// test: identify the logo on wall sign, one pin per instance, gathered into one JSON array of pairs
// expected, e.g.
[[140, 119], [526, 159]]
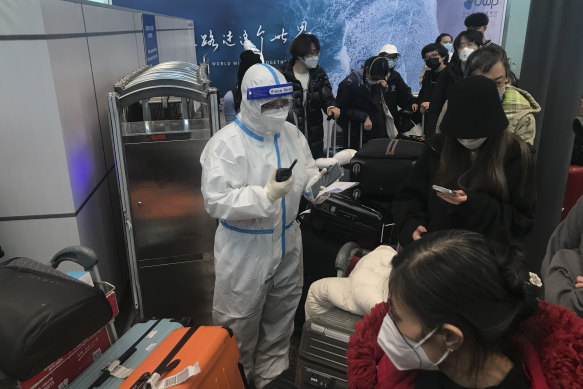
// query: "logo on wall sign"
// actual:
[[492, 3]]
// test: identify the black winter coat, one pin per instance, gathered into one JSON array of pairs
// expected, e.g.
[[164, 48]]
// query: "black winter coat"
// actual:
[[506, 222], [357, 100], [430, 79], [447, 78], [319, 98]]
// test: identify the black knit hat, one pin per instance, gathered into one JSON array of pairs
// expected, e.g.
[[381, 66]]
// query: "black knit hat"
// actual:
[[474, 109]]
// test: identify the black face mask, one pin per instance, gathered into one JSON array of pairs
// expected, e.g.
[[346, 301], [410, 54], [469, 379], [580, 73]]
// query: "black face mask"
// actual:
[[432, 63]]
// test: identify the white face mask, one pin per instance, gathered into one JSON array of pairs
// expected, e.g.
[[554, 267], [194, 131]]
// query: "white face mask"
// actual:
[[501, 92], [472, 144], [465, 53], [311, 62], [272, 120], [403, 352]]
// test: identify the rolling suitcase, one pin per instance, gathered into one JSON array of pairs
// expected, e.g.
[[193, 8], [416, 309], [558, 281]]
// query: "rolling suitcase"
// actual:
[[204, 357], [322, 353], [345, 219], [46, 314], [330, 224], [381, 166], [128, 352]]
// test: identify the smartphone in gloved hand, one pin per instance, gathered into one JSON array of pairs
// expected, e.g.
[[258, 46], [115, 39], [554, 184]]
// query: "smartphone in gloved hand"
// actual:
[[284, 173]]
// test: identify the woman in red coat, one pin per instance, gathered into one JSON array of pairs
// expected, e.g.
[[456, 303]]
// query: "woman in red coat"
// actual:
[[464, 314]]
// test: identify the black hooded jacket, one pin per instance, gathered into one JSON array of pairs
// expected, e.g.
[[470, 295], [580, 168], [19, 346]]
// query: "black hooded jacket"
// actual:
[[319, 98], [357, 101]]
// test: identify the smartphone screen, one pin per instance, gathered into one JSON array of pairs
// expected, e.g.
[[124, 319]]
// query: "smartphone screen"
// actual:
[[441, 189]]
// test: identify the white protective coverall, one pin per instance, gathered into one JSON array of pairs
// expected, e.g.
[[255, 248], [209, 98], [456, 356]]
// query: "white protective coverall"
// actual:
[[258, 244]]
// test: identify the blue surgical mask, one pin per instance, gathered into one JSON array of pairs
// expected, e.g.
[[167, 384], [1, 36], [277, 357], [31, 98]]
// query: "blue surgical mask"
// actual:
[[311, 62], [448, 46], [392, 63]]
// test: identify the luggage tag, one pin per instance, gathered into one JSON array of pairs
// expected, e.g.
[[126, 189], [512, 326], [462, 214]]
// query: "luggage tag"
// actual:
[[187, 373], [116, 369]]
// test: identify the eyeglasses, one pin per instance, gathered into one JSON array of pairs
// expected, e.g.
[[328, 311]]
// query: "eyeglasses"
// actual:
[[276, 104], [502, 82], [312, 53]]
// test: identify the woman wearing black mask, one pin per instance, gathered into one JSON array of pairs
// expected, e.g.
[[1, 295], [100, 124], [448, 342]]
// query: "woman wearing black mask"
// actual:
[[489, 173]]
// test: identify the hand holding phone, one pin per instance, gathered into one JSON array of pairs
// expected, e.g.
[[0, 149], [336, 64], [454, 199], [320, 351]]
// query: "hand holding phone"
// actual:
[[441, 189]]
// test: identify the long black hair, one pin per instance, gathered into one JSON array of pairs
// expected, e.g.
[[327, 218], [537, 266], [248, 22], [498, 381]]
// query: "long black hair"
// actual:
[[485, 173], [462, 278]]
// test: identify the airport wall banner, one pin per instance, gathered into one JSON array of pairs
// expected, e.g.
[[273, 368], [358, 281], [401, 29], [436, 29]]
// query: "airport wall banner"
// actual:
[[150, 39], [349, 30]]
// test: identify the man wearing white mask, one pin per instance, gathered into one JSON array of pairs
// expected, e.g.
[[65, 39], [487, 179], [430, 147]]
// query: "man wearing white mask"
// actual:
[[312, 91], [258, 245]]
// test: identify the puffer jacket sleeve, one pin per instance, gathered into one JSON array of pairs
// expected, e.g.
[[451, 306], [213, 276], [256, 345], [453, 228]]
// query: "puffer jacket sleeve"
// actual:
[[328, 99], [410, 204]]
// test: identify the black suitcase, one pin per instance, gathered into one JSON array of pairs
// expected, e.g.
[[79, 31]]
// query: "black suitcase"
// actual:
[[45, 313], [381, 166], [329, 225], [322, 353], [345, 219]]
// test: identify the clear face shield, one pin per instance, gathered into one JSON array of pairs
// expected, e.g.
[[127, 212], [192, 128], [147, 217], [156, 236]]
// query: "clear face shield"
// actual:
[[275, 110], [278, 105]]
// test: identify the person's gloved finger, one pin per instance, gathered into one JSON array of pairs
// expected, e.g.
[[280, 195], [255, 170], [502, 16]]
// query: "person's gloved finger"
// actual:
[[272, 175]]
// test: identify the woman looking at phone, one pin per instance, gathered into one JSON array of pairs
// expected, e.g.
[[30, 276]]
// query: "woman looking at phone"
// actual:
[[489, 171]]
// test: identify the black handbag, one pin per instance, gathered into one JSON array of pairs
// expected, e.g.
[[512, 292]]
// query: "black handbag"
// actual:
[[44, 314]]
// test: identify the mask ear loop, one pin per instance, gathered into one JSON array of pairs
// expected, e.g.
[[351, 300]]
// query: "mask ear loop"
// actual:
[[429, 335], [444, 356]]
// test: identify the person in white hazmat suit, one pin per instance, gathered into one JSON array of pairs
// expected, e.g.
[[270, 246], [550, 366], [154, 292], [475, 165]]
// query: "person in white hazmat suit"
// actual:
[[258, 245]]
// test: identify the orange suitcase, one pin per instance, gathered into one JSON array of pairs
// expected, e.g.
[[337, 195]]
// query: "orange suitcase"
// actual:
[[211, 353]]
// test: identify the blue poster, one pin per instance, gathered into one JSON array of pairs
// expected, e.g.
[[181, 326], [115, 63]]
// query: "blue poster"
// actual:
[[348, 30], [150, 39]]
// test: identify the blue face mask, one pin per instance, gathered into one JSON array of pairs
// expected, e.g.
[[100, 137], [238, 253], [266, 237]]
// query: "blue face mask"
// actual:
[[392, 63], [448, 46]]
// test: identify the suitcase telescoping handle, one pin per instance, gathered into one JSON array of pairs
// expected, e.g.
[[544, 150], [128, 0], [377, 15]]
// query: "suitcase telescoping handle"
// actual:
[[80, 255]]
